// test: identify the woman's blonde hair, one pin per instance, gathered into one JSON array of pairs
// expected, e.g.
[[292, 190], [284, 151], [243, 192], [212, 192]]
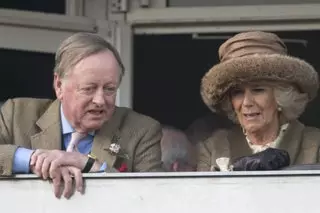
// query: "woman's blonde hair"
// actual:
[[291, 102]]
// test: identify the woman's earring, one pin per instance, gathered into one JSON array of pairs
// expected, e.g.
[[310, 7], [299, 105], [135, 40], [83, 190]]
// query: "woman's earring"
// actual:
[[279, 109]]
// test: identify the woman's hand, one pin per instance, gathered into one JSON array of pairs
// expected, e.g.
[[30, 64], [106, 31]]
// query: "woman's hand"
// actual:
[[269, 159]]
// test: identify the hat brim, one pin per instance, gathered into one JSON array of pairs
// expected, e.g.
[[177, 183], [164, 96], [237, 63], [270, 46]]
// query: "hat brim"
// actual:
[[221, 77]]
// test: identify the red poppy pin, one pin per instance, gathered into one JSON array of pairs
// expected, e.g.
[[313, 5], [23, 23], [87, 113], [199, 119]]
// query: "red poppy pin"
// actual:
[[123, 168]]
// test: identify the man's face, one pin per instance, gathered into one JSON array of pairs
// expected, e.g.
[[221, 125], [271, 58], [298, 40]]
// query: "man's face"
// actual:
[[88, 91]]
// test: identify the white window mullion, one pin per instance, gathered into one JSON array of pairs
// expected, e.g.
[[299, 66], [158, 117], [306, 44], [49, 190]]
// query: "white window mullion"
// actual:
[[75, 7]]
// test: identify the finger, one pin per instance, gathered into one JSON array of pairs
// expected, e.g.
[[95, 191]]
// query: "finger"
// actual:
[[240, 164], [34, 156], [57, 186], [39, 163], [78, 179], [254, 165], [54, 167], [45, 168], [67, 191], [273, 165]]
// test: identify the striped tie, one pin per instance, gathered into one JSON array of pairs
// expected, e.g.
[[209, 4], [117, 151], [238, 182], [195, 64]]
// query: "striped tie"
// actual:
[[75, 139]]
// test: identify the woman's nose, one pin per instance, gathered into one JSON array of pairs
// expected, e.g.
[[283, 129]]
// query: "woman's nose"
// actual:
[[247, 99]]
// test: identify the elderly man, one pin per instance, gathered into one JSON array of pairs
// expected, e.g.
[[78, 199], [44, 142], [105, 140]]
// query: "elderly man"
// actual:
[[177, 151], [82, 131]]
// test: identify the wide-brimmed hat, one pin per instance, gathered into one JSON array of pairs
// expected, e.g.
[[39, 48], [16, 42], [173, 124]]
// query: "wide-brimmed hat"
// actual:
[[254, 56]]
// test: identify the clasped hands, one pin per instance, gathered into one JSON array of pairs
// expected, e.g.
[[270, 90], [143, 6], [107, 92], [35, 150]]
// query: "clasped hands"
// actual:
[[61, 167], [269, 159]]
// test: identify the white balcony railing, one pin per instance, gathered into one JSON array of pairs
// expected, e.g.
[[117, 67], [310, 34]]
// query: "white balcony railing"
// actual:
[[285, 191]]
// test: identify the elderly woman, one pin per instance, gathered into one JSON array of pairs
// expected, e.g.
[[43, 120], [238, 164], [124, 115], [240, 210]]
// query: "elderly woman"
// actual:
[[258, 86]]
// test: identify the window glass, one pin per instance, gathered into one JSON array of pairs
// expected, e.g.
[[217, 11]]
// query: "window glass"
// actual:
[[26, 74], [56, 6]]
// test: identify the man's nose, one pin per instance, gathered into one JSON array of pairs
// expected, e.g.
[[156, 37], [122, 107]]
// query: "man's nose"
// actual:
[[98, 98]]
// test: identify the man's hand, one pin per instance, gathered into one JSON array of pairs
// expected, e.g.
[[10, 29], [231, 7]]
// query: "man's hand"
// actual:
[[269, 159], [65, 176], [43, 161], [74, 159]]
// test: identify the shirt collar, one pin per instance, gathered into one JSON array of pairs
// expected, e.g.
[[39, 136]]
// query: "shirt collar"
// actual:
[[273, 144], [66, 126]]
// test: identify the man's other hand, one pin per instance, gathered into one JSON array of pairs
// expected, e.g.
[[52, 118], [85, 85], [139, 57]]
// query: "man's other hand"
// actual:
[[63, 179]]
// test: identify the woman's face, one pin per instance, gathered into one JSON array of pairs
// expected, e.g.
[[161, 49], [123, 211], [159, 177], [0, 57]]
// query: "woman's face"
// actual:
[[255, 106]]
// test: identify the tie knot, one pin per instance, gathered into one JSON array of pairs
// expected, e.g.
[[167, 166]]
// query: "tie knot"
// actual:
[[75, 138]]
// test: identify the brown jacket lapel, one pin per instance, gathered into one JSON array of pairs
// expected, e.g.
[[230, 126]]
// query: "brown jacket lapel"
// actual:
[[219, 147], [292, 140], [231, 144], [50, 135], [108, 134], [238, 144]]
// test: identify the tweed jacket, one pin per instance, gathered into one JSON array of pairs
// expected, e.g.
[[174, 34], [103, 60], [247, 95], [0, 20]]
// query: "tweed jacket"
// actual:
[[301, 142], [35, 124]]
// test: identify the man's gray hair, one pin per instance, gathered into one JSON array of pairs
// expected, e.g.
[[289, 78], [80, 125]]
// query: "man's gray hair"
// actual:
[[79, 46], [290, 100], [175, 147]]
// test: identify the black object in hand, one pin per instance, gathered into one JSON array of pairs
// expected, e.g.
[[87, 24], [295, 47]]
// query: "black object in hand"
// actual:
[[269, 159]]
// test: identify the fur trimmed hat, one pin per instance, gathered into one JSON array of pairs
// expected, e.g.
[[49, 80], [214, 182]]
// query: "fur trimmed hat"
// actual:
[[253, 56]]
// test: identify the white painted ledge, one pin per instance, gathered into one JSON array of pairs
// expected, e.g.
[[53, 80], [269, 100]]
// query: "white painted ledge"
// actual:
[[263, 192]]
